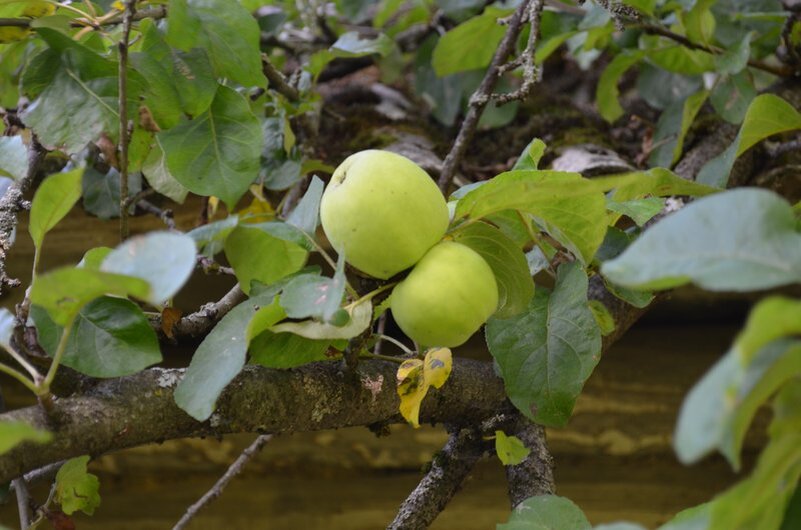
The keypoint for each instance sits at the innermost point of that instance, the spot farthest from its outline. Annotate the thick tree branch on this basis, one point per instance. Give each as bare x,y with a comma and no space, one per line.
449,469
533,476
140,409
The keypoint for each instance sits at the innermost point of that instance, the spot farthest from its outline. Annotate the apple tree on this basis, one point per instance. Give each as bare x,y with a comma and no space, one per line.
659,152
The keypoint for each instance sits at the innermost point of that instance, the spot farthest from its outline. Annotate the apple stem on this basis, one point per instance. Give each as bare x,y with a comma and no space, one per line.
396,342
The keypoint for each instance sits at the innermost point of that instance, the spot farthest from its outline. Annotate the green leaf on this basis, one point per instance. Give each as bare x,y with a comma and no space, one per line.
547,353
163,259
672,129
350,44
111,337
619,526
226,30
668,55
469,45
639,299
53,200
553,198
531,155
210,237
63,292
13,157
93,258
13,433
287,350
306,215
735,60
219,358
360,318
771,319
604,319
767,115
101,191
508,263
638,210
510,449
75,91
217,153
177,81
739,240
155,171
76,489
732,95
658,182
546,512
312,296
718,410
607,93
257,254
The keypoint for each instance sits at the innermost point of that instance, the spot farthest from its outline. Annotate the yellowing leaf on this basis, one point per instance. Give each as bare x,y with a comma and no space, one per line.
38,8
259,210
416,376
510,449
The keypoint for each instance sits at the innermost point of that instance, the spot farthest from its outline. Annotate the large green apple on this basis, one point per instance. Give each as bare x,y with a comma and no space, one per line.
383,212
446,297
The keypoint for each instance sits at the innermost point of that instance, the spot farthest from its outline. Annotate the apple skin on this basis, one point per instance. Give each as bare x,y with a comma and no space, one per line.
383,212
446,298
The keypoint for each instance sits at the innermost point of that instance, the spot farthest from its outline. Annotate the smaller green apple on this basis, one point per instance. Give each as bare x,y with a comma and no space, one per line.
448,295
383,212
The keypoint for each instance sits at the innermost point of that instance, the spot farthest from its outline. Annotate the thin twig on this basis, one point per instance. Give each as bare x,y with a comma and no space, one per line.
481,97
379,331
127,20
781,71
23,502
449,469
199,322
154,13
531,71
217,489
165,214
277,80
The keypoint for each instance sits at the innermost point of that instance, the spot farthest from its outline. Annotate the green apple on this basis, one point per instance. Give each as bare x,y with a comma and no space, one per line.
448,295
383,212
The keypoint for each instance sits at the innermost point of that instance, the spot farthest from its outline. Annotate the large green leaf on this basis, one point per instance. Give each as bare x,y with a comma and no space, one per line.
225,30
76,93
101,191
256,254
672,128
111,337
76,489
210,237
739,240
163,259
508,263
546,353
469,45
546,512
13,433
767,115
13,157
569,207
350,44
657,182
177,81
53,200
306,215
63,292
219,358
217,153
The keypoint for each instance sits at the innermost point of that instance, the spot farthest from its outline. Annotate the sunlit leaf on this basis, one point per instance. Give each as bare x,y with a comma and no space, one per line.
469,45
360,318
510,449
76,489
54,198
416,376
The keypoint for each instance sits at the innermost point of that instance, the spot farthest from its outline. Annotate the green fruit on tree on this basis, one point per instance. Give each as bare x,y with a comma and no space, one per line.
448,295
383,212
